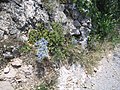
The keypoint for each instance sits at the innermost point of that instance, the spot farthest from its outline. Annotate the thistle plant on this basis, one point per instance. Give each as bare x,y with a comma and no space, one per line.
42,49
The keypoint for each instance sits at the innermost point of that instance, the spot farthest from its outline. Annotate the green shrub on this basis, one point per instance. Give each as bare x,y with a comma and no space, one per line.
104,15
57,42
25,48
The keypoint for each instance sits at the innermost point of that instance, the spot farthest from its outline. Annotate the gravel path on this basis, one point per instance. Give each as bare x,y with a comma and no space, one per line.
107,76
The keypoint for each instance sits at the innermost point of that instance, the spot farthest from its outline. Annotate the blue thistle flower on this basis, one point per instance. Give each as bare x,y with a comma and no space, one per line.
42,50
41,42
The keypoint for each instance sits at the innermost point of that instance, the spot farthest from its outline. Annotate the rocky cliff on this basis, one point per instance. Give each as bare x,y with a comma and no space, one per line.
21,72
18,16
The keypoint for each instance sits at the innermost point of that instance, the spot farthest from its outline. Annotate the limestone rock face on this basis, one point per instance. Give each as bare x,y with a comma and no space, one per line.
5,85
16,15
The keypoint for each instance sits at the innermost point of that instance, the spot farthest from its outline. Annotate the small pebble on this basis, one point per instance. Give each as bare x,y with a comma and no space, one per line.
6,70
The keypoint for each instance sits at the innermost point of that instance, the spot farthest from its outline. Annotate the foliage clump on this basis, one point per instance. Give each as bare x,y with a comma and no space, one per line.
104,15
25,48
57,41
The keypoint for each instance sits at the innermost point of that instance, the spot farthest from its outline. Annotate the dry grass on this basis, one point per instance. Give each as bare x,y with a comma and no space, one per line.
90,59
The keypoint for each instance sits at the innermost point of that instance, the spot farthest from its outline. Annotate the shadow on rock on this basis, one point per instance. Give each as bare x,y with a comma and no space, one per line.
40,70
